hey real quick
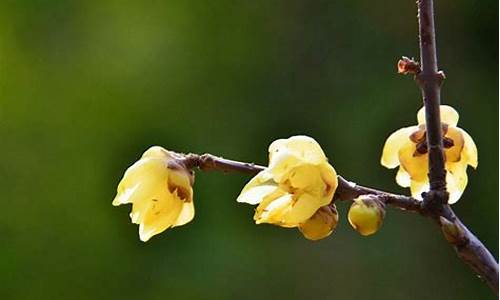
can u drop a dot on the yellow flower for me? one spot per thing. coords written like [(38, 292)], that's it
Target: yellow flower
[(321, 224), (160, 190), (298, 181), (407, 148), (366, 215)]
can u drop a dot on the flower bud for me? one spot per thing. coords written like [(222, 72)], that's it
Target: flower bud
[(366, 214), (453, 233), (321, 224)]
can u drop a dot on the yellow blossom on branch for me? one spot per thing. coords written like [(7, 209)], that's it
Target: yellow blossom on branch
[(298, 181), (407, 148), (160, 190)]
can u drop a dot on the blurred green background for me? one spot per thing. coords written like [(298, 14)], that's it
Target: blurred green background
[(87, 86)]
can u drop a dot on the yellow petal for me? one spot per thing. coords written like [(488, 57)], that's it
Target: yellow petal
[(180, 182), (148, 169), (126, 195), (329, 177), (140, 180), (403, 178), (456, 180), (413, 163), (470, 149), (454, 153), (419, 187), (321, 224), (305, 206), (282, 163), (141, 190), (186, 214), (256, 194), (160, 215), (448, 115), (399, 138), (306, 176), (257, 188), (156, 152), (273, 211), (304, 147)]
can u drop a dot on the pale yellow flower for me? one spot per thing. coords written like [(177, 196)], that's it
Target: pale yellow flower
[(298, 181), (160, 190), (366, 215), (321, 224), (407, 148)]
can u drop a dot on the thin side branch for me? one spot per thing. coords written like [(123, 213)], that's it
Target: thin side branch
[(468, 247), (346, 190)]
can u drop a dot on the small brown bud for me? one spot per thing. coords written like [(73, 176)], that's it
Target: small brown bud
[(453, 233), (408, 66)]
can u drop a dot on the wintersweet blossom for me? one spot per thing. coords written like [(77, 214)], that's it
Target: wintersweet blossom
[(407, 148), (298, 181), (160, 190)]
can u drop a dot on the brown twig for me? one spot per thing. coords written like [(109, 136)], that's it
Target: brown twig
[(468, 247), (430, 81), (346, 190), (435, 204)]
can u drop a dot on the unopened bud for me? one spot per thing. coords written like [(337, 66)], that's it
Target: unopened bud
[(408, 66), (366, 214), (452, 232), (321, 224)]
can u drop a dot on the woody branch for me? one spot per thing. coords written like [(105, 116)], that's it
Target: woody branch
[(435, 204)]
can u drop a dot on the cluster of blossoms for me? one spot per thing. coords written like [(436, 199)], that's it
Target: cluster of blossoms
[(297, 188)]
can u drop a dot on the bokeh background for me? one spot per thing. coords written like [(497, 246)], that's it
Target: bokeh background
[(87, 86)]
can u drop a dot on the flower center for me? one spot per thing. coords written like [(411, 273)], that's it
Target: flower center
[(419, 137), (182, 193)]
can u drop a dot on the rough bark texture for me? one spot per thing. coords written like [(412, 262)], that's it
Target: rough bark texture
[(435, 204)]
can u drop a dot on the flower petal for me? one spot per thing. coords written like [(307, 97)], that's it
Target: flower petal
[(305, 206), (403, 178), (141, 190), (306, 177), (256, 194), (399, 138), (282, 163), (148, 169), (413, 163), (456, 180), (257, 188), (448, 115), (186, 214), (272, 211), (156, 152), (304, 147), (418, 187), (160, 215), (470, 149), (454, 153), (329, 177)]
